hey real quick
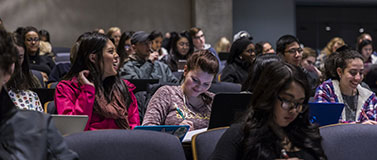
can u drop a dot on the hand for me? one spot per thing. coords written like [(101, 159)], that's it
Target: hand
[(187, 122), (82, 78), (371, 122), (44, 76), (153, 56)]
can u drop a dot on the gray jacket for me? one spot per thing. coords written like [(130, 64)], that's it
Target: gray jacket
[(139, 69)]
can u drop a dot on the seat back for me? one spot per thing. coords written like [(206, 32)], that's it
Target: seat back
[(52, 85), (203, 144), (39, 76), (125, 144), (218, 87), (50, 108), (349, 141), (44, 94)]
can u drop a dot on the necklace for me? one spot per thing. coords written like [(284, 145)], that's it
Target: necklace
[(193, 114)]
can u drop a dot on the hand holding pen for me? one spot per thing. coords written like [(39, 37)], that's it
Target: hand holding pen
[(184, 122)]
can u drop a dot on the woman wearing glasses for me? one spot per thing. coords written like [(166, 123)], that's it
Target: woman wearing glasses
[(344, 71), (240, 58), (44, 64), (276, 126)]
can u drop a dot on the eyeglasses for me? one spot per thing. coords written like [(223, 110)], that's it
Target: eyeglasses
[(33, 39), (295, 50), (288, 105), (183, 44)]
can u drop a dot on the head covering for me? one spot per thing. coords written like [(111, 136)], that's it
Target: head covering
[(139, 36), (240, 34)]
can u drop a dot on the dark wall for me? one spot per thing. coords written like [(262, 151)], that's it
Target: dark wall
[(264, 19), (345, 21)]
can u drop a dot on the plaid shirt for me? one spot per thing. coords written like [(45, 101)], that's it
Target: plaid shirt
[(329, 92)]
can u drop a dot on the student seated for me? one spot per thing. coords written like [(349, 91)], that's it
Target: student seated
[(21, 81), (25, 134), (189, 103), (345, 72), (92, 87), (240, 58), (143, 64), (277, 125)]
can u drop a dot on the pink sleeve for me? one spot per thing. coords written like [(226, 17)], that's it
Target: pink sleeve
[(67, 103), (133, 110)]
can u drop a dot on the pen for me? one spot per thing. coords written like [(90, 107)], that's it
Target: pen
[(179, 111)]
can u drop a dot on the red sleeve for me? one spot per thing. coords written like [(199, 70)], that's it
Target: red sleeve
[(71, 100), (133, 111)]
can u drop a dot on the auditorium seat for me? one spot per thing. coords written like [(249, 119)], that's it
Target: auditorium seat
[(125, 144), (203, 144), (349, 141)]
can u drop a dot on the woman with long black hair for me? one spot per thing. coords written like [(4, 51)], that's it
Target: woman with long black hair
[(277, 124)]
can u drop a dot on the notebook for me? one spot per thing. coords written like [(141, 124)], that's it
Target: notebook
[(325, 113), (177, 130), (227, 108), (68, 124)]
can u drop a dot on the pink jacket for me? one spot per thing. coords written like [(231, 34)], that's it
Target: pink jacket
[(73, 99)]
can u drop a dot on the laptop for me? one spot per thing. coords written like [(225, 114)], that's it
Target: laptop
[(227, 108), (325, 113), (68, 124), (176, 130)]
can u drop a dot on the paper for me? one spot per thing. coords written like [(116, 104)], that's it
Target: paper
[(190, 134)]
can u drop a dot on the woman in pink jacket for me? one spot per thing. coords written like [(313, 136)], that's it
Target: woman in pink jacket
[(92, 87)]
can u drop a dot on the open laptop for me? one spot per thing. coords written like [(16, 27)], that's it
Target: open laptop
[(227, 108), (177, 130), (68, 124), (325, 113)]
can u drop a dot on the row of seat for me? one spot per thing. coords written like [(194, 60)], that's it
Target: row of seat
[(340, 141)]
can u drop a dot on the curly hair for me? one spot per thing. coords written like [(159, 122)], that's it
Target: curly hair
[(339, 59), (260, 141)]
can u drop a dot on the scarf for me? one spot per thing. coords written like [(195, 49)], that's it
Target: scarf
[(115, 109)]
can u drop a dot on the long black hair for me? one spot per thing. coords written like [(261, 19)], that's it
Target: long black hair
[(175, 37), (260, 141), (22, 78), (94, 43)]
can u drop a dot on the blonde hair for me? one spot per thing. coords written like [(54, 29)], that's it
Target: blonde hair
[(45, 48), (331, 43), (308, 52), (112, 30), (223, 45)]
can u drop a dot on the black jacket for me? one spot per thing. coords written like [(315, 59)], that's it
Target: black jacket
[(236, 72), (29, 134)]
